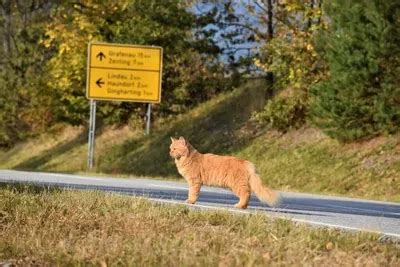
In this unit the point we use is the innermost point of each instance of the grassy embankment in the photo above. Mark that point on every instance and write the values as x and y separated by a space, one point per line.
54 227
301 160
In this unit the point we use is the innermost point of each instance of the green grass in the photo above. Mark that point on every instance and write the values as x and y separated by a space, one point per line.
302 160
215 125
42 227
305 160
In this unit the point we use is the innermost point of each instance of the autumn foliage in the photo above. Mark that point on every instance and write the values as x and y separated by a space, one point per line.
333 64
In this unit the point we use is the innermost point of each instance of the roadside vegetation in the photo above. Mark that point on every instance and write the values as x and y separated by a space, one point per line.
307 90
51 227
303 160
330 64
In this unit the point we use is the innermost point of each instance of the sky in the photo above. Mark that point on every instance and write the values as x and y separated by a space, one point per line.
241 46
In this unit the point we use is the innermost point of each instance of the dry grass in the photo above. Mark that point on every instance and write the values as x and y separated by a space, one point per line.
56 227
39 147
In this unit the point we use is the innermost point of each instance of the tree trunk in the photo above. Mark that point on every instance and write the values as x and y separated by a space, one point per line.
270 35
320 7
270 15
5 8
309 24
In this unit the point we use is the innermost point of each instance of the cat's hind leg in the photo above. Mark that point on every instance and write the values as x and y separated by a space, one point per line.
243 191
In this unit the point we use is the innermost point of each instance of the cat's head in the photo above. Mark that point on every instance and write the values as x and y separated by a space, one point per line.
178 148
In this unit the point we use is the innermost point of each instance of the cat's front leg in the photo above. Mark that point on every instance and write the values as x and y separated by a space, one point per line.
194 190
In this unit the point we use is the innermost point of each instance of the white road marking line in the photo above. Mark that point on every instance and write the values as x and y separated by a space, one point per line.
344 227
198 205
71 176
360 209
297 195
212 190
168 186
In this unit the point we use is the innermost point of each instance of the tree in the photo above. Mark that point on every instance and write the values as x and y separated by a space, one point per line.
190 73
361 97
24 102
288 55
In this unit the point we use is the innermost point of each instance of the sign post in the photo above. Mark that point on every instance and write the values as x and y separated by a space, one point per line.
148 117
92 127
118 72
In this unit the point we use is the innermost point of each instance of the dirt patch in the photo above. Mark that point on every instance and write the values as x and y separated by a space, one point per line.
379 161
302 136
366 145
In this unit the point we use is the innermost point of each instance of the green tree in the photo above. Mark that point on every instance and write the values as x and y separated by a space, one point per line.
361 97
190 72
24 101
44 49
288 55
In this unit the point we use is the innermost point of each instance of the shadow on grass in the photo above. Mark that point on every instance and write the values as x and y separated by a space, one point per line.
215 127
39 161
32 189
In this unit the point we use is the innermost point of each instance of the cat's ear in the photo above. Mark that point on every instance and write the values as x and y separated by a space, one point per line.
172 139
182 139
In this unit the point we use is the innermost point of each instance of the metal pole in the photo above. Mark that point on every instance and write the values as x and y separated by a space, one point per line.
92 126
148 116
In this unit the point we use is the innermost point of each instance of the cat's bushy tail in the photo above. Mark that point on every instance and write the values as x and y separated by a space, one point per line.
263 193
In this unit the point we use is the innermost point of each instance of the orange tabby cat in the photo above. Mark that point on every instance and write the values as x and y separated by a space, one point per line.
209 169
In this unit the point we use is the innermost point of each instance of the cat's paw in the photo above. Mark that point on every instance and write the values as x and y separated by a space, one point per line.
240 206
189 201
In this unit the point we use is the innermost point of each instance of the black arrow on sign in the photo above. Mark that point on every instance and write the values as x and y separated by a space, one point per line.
99 82
101 56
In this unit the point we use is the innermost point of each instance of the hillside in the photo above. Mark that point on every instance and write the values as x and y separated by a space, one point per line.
300 160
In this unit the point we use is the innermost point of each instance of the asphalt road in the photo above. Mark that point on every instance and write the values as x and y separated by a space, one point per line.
325 211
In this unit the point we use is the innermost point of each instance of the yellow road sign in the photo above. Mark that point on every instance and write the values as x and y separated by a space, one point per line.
124 72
